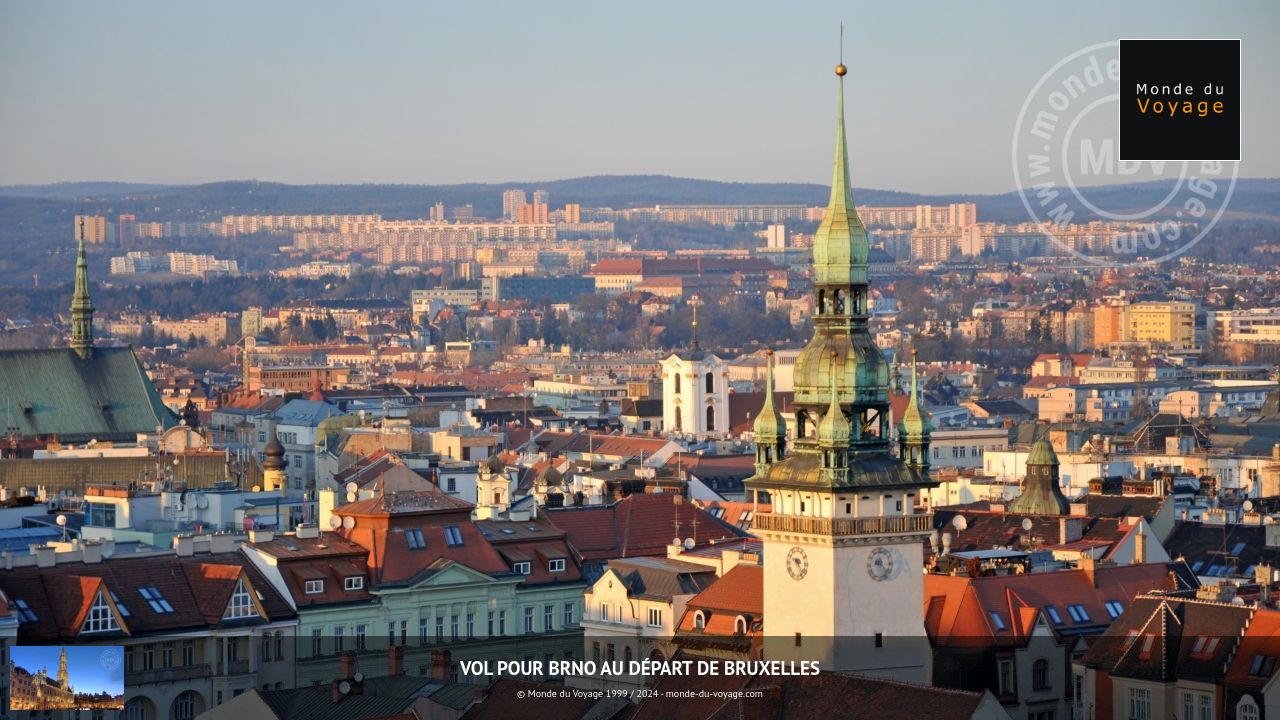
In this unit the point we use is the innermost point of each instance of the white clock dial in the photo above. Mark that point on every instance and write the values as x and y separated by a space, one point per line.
797 563
881 564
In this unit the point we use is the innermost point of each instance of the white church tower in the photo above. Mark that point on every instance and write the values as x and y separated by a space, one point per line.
695 390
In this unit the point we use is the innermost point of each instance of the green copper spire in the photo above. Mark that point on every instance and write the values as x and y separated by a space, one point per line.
914 424
834 429
840 247
769 423
1042 490
82 305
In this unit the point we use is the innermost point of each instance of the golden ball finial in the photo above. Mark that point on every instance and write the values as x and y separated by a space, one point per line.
841 70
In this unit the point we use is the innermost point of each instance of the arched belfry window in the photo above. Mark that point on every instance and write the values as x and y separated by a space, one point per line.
710 380
711 418
676 382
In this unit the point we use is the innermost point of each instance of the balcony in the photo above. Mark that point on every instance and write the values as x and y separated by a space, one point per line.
892 525
234 667
186 672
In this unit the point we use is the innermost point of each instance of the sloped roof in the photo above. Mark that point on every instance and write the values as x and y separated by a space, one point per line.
662 578
1231 550
382 696
107 397
636 526
1262 638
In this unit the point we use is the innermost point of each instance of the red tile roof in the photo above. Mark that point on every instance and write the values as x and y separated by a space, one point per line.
738 592
1262 638
636 526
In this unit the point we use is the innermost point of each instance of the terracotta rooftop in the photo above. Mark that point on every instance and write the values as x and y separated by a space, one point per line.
637 526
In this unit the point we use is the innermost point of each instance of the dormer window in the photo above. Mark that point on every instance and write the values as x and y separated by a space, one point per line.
740 625
25 613
556 565
452 536
522 568
100 617
1114 609
700 620
241 605
314 587
355 582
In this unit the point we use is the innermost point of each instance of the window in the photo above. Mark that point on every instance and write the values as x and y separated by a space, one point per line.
490 624
595 651
522 568
1204 647
241 605
338 640
317 642
528 619
148 658
265 650
1054 615
1188 706
471 625
153 597
404 632
1139 704
711 418
548 618
25 613
740 625
1078 613
355 582
655 617
415 539
879 639
439 628
1114 609
1262 666
453 627
556 565
1206 707
166 655
391 633
1246 709
189 653
568 614
451 484
100 618
1004 675
676 377
452 536
710 382
610 656
604 612
997 620
1040 674
115 599
101 515
314 587
360 638
699 620
502 622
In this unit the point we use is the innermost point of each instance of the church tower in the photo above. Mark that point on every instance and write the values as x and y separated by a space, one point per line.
843 543
273 465
82 305
64 680
695 390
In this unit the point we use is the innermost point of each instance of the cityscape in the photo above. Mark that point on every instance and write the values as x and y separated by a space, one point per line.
628 445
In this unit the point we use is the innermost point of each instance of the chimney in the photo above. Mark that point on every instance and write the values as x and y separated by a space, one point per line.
1139 546
1262 576
46 555
347 665
261 536
307 531
326 499
1090 567
91 551
184 545
442 665
1224 592
1070 529
395 660
222 543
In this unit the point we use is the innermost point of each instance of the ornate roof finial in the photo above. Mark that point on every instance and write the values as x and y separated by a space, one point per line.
915 424
834 429
769 423
841 245
694 301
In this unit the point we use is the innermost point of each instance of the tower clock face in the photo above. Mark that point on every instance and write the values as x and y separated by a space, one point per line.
797 563
881 564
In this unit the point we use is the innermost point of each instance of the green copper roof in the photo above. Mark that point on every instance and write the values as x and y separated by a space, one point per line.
82 304
769 423
105 397
834 430
1042 453
840 247
914 424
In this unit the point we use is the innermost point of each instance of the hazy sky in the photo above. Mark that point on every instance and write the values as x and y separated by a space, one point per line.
427 92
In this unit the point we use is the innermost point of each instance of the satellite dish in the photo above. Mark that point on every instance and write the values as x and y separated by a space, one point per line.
202 502
959 523
351 497
1026 524
675 540
257 488
1248 506
688 543
335 522
348 522
344 687
62 520
352 487
358 677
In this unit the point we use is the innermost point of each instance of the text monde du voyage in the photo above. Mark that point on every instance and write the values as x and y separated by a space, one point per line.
1181 99
645 668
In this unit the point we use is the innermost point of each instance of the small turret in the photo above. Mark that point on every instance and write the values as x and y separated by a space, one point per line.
274 464
82 304
1041 494
914 430
770 429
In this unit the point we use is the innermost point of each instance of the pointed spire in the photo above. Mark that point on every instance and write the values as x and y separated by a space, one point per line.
769 425
82 304
915 424
834 429
841 246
